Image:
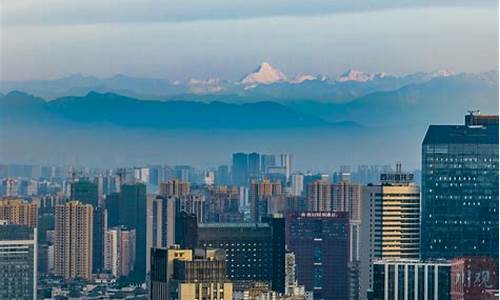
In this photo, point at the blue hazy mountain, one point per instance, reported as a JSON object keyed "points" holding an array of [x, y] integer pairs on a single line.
{"points": [[112, 109], [79, 85], [439, 100], [106, 129]]}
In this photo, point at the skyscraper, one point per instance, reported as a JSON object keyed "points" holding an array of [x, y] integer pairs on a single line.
{"points": [[18, 262], [162, 269], [266, 161], [119, 254], [286, 162], [318, 196], [99, 227], [161, 212], [186, 230], [460, 189], [391, 222], [112, 204], [174, 187], [239, 171], [85, 191], [203, 277], [394, 216], [73, 240], [297, 184], [133, 206], [259, 194], [18, 211], [254, 251], [347, 196], [253, 165], [222, 175], [320, 241]]}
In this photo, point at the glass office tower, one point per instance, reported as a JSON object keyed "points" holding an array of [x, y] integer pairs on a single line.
{"points": [[460, 189]]}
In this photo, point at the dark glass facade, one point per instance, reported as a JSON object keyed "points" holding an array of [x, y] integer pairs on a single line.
{"points": [[459, 191], [132, 213], [85, 192], [186, 230], [239, 170], [99, 228], [320, 241], [254, 251]]}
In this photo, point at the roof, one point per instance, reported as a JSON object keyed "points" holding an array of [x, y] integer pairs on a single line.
{"points": [[233, 225], [461, 134]]}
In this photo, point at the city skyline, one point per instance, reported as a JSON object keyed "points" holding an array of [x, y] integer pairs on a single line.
{"points": [[249, 149]]}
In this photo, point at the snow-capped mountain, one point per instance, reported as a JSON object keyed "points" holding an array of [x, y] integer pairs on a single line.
{"points": [[205, 86], [304, 77], [265, 74], [359, 76], [442, 73]]}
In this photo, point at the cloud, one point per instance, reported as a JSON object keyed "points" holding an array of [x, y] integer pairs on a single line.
{"points": [[60, 12]]}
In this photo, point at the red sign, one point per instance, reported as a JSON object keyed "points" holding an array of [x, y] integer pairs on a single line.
{"points": [[473, 278]]}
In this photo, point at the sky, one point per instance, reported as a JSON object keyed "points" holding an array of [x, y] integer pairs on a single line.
{"points": [[177, 39]]}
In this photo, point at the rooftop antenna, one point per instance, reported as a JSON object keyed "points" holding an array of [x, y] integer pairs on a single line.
{"points": [[398, 167]]}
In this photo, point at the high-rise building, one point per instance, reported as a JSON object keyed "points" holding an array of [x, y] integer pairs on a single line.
{"points": [[18, 262], [194, 204], [174, 187], [185, 274], [460, 189], [133, 214], [119, 253], [18, 211], [162, 269], [161, 221], [297, 184], [266, 161], [239, 171], [222, 175], [391, 222], [411, 279], [99, 227], [474, 278], [73, 240], [85, 191], [320, 241], [394, 216], [286, 162], [347, 196], [318, 196], [253, 165], [259, 194], [112, 204], [186, 230], [184, 173], [204, 277], [254, 251], [111, 256], [290, 272]]}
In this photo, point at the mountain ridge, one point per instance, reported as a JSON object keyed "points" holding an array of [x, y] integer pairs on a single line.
{"points": [[104, 108]]}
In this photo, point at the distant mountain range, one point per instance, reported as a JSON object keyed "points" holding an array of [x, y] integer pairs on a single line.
{"points": [[438, 100], [116, 110], [355, 118], [266, 83]]}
